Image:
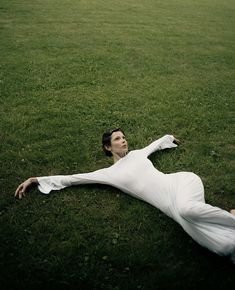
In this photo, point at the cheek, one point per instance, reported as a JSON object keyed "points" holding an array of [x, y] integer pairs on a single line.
{"points": [[116, 146]]}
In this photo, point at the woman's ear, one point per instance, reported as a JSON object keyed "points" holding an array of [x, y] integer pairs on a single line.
{"points": [[108, 148]]}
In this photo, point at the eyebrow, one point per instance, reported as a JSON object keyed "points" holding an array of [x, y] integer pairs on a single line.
{"points": [[119, 137]]}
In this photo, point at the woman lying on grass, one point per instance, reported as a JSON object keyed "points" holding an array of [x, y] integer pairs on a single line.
{"points": [[179, 195]]}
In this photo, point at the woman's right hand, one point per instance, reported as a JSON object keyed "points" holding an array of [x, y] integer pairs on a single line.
{"points": [[20, 191]]}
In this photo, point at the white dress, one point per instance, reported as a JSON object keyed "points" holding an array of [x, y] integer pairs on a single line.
{"points": [[179, 195]]}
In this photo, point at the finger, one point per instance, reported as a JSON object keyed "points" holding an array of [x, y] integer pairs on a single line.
{"points": [[17, 191], [177, 140], [19, 188], [21, 194]]}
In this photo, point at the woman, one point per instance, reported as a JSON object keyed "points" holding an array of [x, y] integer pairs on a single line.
{"points": [[179, 195]]}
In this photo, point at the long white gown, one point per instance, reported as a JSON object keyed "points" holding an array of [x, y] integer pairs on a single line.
{"points": [[179, 195]]}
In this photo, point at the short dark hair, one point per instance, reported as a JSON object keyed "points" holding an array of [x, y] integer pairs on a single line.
{"points": [[106, 139]]}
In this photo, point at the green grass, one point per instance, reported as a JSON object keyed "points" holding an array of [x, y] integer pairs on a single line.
{"points": [[69, 70]]}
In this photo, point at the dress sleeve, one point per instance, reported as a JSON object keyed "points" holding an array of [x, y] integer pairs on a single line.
{"points": [[162, 143], [57, 182]]}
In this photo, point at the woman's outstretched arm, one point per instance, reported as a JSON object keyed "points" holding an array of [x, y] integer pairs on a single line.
{"points": [[57, 182], [167, 141]]}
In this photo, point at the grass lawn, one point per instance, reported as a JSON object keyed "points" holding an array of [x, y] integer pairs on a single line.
{"points": [[69, 70]]}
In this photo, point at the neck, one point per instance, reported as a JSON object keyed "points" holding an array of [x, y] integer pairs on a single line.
{"points": [[117, 157]]}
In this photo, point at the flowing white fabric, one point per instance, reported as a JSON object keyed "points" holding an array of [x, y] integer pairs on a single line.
{"points": [[179, 195]]}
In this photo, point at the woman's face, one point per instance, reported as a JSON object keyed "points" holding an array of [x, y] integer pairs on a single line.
{"points": [[119, 144]]}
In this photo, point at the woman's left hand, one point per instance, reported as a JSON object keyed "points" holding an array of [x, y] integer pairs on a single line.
{"points": [[176, 141]]}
